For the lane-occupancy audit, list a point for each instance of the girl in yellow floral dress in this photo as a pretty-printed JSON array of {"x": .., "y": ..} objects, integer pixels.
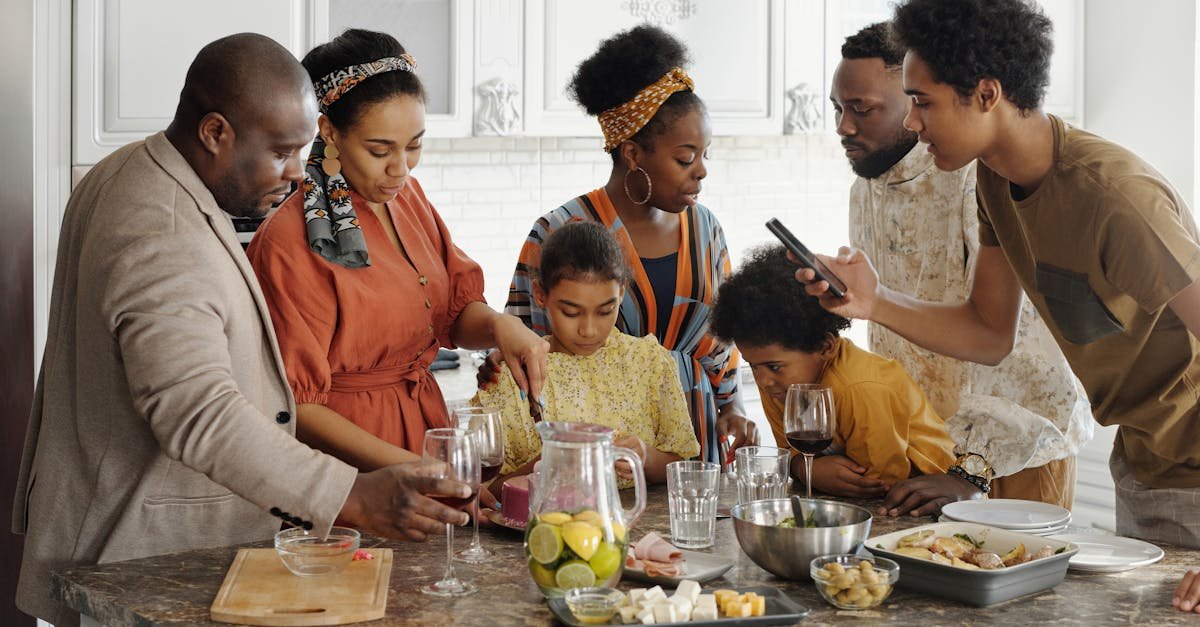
[{"x": 595, "y": 373}]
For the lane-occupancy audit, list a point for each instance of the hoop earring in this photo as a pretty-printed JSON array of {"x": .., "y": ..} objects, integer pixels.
[
  {"x": 330, "y": 163},
  {"x": 649, "y": 186}
]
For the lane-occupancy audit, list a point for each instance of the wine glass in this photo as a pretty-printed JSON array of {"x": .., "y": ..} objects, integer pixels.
[
  {"x": 485, "y": 424},
  {"x": 810, "y": 422},
  {"x": 456, "y": 454}
]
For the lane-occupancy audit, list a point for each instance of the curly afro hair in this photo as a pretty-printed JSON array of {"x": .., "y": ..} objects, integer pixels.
[
  {"x": 578, "y": 251},
  {"x": 965, "y": 41},
  {"x": 352, "y": 47},
  {"x": 762, "y": 304},
  {"x": 875, "y": 41},
  {"x": 625, "y": 64}
]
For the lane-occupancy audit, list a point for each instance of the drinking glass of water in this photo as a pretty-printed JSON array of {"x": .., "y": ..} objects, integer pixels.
[
  {"x": 762, "y": 473},
  {"x": 809, "y": 420},
  {"x": 692, "y": 497}
]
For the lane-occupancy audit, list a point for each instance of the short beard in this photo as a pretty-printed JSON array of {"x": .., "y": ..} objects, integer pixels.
[
  {"x": 875, "y": 164},
  {"x": 234, "y": 201}
]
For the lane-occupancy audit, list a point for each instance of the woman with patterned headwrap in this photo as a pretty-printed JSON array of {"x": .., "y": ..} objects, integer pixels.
[
  {"x": 361, "y": 276},
  {"x": 657, "y": 131}
]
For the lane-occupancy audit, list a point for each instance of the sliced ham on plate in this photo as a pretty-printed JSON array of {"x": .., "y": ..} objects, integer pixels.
[{"x": 655, "y": 556}]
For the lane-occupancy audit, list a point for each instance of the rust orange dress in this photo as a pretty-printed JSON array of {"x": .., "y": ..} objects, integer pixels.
[{"x": 360, "y": 340}]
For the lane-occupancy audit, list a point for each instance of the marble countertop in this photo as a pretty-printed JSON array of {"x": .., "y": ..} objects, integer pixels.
[{"x": 179, "y": 588}]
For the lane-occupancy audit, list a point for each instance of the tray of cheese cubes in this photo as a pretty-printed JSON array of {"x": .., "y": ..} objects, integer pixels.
[{"x": 760, "y": 605}]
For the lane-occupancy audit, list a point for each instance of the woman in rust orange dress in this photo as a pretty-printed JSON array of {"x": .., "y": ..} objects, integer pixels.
[{"x": 361, "y": 276}]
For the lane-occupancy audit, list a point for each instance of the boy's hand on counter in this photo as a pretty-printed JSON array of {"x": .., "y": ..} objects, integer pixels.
[
  {"x": 392, "y": 502},
  {"x": 1187, "y": 595},
  {"x": 839, "y": 475},
  {"x": 925, "y": 495}
]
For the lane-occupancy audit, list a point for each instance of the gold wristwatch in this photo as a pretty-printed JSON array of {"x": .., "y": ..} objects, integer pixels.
[{"x": 974, "y": 468}]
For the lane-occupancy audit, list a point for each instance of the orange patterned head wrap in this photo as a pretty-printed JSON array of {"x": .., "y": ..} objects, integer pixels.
[{"x": 624, "y": 121}]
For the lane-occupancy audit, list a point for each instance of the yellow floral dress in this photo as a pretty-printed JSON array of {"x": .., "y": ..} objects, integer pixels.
[{"x": 630, "y": 385}]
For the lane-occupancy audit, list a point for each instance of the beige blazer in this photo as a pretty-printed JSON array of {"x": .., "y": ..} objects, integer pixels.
[{"x": 162, "y": 420}]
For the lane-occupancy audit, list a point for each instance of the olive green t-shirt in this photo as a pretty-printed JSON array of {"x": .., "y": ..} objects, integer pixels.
[{"x": 1101, "y": 247}]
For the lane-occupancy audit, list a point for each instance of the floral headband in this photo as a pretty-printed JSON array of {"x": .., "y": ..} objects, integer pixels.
[
  {"x": 624, "y": 121},
  {"x": 335, "y": 84}
]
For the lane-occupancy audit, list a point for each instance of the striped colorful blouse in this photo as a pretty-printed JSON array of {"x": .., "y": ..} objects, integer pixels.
[{"x": 707, "y": 366}]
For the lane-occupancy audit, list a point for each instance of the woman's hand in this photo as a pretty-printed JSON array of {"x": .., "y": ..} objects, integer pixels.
[
  {"x": 925, "y": 495},
  {"x": 635, "y": 444},
  {"x": 524, "y": 352},
  {"x": 743, "y": 431},
  {"x": 855, "y": 270},
  {"x": 489, "y": 370},
  {"x": 1187, "y": 595},
  {"x": 841, "y": 476}
]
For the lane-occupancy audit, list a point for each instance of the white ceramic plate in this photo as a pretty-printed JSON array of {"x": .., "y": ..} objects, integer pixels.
[
  {"x": 1109, "y": 554},
  {"x": 697, "y": 566},
  {"x": 1008, "y": 513},
  {"x": 1039, "y": 531}
]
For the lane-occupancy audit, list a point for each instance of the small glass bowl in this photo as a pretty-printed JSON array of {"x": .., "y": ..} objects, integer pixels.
[
  {"x": 593, "y": 605},
  {"x": 846, "y": 584},
  {"x": 309, "y": 555}
]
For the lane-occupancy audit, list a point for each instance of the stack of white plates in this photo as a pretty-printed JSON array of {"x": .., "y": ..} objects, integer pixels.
[
  {"x": 1100, "y": 553},
  {"x": 1032, "y": 517}
]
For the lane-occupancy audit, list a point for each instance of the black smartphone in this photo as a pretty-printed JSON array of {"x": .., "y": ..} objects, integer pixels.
[{"x": 807, "y": 259}]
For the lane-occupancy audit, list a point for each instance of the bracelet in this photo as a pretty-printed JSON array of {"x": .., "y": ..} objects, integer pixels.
[{"x": 975, "y": 480}]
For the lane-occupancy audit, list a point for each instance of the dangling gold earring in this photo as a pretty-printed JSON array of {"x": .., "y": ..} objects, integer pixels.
[
  {"x": 649, "y": 186},
  {"x": 330, "y": 164}
]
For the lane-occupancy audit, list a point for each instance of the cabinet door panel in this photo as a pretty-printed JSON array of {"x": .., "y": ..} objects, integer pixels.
[
  {"x": 740, "y": 78},
  {"x": 131, "y": 57}
]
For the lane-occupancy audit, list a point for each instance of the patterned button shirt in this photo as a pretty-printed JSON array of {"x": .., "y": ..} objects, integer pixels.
[{"x": 920, "y": 228}]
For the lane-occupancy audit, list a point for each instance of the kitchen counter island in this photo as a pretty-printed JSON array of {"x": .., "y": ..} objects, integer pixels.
[{"x": 178, "y": 589}]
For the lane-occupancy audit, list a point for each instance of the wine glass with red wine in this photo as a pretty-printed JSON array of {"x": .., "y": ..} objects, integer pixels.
[
  {"x": 455, "y": 452},
  {"x": 809, "y": 420},
  {"x": 485, "y": 424}
]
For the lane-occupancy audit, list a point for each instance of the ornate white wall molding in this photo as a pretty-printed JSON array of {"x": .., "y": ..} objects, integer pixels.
[
  {"x": 497, "y": 110},
  {"x": 804, "y": 110},
  {"x": 660, "y": 11}
]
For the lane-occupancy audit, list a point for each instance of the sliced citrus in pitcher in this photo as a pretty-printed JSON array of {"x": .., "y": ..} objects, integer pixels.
[
  {"x": 554, "y": 518},
  {"x": 583, "y": 538},
  {"x": 606, "y": 561},
  {"x": 542, "y": 576},
  {"x": 546, "y": 543},
  {"x": 574, "y": 574}
]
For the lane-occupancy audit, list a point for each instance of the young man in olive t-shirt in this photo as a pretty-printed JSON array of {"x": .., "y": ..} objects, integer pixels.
[{"x": 1101, "y": 243}]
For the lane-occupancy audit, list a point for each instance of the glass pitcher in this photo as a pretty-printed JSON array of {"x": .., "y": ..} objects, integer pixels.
[{"x": 577, "y": 530}]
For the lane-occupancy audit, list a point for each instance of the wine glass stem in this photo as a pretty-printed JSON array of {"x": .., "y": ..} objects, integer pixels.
[
  {"x": 475, "y": 535},
  {"x": 808, "y": 460},
  {"x": 449, "y": 576}
]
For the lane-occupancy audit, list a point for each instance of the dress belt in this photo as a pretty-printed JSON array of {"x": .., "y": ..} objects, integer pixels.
[{"x": 415, "y": 372}]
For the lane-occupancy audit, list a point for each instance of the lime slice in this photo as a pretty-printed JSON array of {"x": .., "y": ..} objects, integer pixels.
[
  {"x": 542, "y": 576},
  {"x": 582, "y": 537},
  {"x": 606, "y": 561},
  {"x": 545, "y": 543},
  {"x": 554, "y": 518},
  {"x": 574, "y": 574}
]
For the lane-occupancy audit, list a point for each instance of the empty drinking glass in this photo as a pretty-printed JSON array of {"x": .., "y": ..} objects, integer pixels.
[
  {"x": 692, "y": 498},
  {"x": 762, "y": 473}
]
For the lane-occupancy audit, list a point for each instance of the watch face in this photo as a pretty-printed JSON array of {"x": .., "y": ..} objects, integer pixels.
[{"x": 974, "y": 465}]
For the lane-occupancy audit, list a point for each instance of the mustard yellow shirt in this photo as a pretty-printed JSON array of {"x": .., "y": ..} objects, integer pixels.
[
  {"x": 884, "y": 421},
  {"x": 630, "y": 385}
]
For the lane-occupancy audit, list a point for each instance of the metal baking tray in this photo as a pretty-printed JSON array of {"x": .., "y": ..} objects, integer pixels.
[{"x": 978, "y": 587}]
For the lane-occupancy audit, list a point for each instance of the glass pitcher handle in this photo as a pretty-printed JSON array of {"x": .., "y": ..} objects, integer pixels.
[{"x": 639, "y": 484}]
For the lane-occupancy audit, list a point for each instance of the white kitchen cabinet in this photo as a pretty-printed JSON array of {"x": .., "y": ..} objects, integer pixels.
[
  {"x": 736, "y": 50},
  {"x": 501, "y": 67},
  {"x": 131, "y": 57}
]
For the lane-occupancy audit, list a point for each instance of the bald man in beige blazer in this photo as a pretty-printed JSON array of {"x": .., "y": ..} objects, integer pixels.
[{"x": 162, "y": 420}]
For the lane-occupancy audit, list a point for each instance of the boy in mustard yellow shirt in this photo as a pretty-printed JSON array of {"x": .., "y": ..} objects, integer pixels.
[{"x": 886, "y": 429}]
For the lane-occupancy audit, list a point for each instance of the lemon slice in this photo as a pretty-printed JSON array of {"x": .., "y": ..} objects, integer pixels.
[
  {"x": 606, "y": 561},
  {"x": 590, "y": 515},
  {"x": 542, "y": 576},
  {"x": 574, "y": 574},
  {"x": 545, "y": 543},
  {"x": 581, "y": 537},
  {"x": 554, "y": 518}
]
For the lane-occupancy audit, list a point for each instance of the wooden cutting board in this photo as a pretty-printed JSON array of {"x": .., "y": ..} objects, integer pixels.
[{"x": 259, "y": 590}]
